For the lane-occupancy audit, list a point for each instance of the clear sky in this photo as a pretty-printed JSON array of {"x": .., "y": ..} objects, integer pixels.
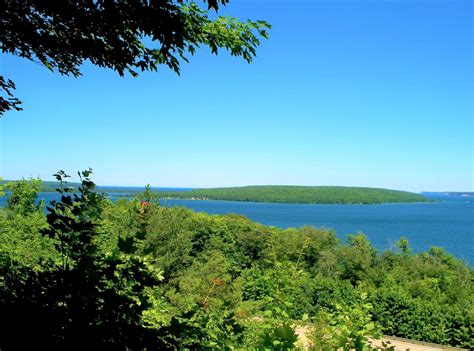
[{"x": 360, "y": 93}]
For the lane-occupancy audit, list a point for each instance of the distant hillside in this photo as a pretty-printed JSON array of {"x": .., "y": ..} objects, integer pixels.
[
  {"x": 51, "y": 186},
  {"x": 46, "y": 186},
  {"x": 300, "y": 194}
]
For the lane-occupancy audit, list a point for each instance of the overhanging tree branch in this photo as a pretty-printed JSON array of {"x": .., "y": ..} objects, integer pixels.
[{"x": 129, "y": 36}]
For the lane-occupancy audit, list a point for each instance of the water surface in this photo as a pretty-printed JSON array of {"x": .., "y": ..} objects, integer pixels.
[{"x": 448, "y": 223}]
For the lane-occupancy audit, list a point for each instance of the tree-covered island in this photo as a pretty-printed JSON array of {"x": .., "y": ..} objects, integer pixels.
[{"x": 299, "y": 194}]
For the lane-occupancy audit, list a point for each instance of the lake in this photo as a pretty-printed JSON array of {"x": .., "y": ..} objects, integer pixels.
[{"x": 448, "y": 223}]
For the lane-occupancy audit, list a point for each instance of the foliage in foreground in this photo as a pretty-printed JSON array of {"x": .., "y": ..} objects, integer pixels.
[{"x": 92, "y": 273}]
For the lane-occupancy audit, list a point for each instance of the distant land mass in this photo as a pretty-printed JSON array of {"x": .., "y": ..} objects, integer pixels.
[
  {"x": 299, "y": 194},
  {"x": 52, "y": 186},
  {"x": 46, "y": 186}
]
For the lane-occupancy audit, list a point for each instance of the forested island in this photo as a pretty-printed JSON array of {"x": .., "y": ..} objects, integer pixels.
[
  {"x": 133, "y": 274},
  {"x": 299, "y": 194}
]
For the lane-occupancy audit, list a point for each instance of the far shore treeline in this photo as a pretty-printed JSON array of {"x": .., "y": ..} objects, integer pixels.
[
  {"x": 270, "y": 193},
  {"x": 300, "y": 194}
]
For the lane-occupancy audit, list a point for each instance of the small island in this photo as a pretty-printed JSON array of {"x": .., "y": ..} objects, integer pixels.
[{"x": 299, "y": 194}]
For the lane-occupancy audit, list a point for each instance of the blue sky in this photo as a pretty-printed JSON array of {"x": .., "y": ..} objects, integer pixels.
[{"x": 357, "y": 93}]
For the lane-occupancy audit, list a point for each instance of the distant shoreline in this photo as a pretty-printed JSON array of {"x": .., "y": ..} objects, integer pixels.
[{"x": 297, "y": 203}]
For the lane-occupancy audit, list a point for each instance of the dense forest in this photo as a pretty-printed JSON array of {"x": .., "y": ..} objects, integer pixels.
[
  {"x": 88, "y": 272},
  {"x": 300, "y": 194}
]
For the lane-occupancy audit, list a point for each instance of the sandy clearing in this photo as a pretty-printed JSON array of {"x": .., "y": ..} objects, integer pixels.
[{"x": 400, "y": 344}]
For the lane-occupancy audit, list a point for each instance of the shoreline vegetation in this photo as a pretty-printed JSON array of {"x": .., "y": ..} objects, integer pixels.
[{"x": 268, "y": 193}]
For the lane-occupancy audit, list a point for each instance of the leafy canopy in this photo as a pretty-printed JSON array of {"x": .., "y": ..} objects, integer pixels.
[
  {"x": 23, "y": 196},
  {"x": 129, "y": 36},
  {"x": 67, "y": 283}
]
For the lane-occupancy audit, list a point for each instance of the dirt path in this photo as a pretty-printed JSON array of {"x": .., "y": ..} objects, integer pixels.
[
  {"x": 399, "y": 343},
  {"x": 412, "y": 345}
]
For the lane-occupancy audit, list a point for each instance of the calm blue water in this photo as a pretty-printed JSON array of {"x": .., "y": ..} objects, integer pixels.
[{"x": 448, "y": 223}]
